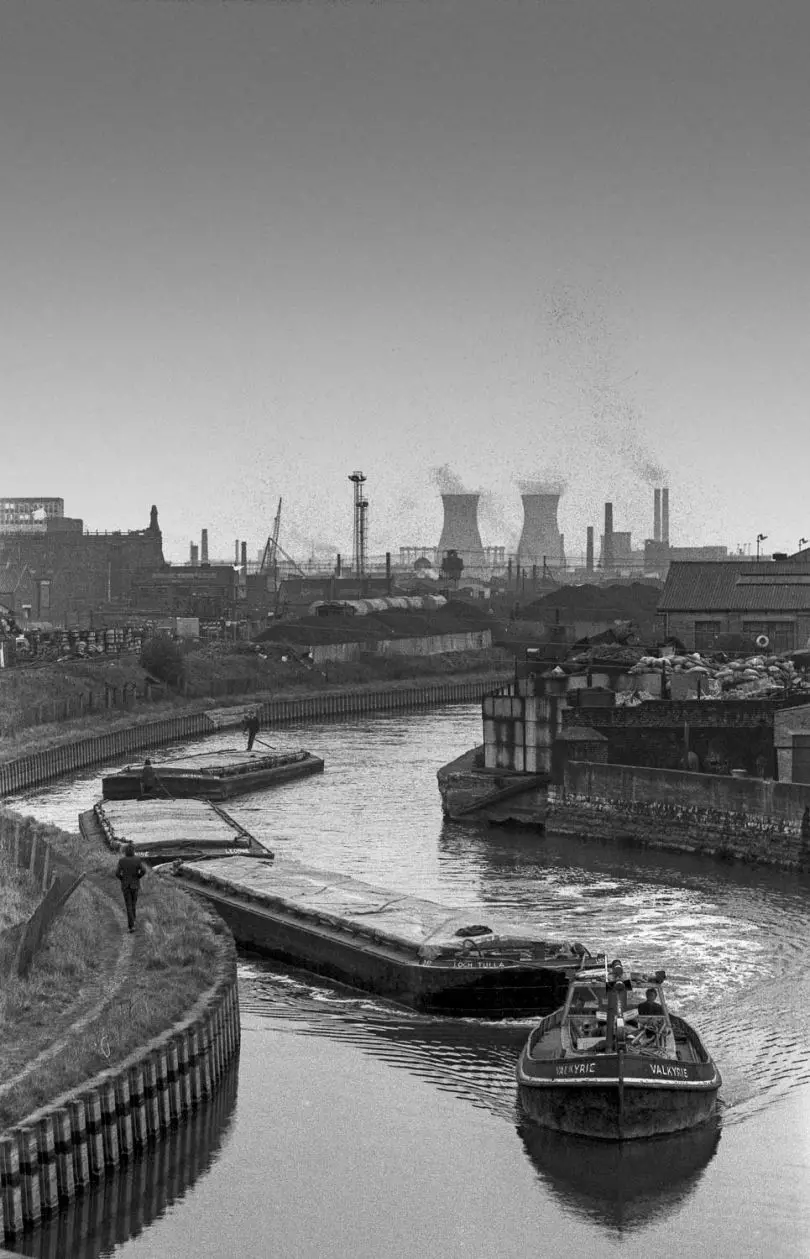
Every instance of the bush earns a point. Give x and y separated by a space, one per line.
162 657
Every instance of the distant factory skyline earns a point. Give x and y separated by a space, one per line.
250 247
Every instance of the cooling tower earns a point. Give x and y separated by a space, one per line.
541 540
460 530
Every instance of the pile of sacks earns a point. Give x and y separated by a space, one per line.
766 677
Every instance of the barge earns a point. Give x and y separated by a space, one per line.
161 831
610 1066
210 775
421 954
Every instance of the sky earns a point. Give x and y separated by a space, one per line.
249 246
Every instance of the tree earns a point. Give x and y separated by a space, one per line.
162 657
452 566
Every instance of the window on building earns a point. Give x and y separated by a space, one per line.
780 634
44 600
705 634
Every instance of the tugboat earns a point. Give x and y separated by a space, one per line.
614 1063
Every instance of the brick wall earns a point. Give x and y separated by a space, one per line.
83 569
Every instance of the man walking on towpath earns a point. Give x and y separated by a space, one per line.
130 871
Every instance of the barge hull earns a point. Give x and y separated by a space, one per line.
595 1111
456 991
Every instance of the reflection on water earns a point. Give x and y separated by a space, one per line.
471 1059
623 1185
125 1204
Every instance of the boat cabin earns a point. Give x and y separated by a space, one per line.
601 1017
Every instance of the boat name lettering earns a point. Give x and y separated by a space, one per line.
673 1073
478 965
575 1068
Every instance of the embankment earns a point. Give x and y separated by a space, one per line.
104 1053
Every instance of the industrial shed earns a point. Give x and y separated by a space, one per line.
701 601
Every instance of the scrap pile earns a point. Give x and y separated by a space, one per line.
767 677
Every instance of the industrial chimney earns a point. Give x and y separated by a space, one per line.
607 540
244 557
589 549
541 540
204 547
460 530
193 554
656 516
665 517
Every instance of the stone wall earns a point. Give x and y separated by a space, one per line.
749 819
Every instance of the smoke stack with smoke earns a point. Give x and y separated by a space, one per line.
657 516
665 517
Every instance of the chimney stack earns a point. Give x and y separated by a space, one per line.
607 541
665 517
193 554
204 547
656 516
236 551
589 549
244 557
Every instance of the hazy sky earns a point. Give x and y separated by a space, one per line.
249 247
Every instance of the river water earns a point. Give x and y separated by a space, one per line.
352 1128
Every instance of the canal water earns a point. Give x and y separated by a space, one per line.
353 1128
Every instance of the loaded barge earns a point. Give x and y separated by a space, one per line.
161 831
424 955
210 775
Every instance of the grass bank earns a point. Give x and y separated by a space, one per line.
94 992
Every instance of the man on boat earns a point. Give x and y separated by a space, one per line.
130 870
148 778
252 726
651 1006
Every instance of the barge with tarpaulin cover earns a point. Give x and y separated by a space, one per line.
211 775
162 831
421 954
604 1066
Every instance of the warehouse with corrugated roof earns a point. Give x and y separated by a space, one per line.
758 600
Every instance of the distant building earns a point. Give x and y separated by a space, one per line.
701 601
208 591
59 575
29 515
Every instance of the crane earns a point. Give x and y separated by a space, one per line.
272 550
